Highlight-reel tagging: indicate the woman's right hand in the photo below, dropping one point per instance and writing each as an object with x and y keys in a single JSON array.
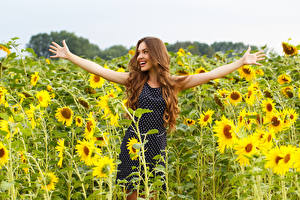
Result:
[{"x": 60, "y": 52}]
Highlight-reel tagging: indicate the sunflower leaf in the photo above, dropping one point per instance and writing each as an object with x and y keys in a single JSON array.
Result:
[
  {"x": 152, "y": 131},
  {"x": 140, "y": 111}
]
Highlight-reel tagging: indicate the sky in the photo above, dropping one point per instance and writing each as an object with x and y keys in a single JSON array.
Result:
[{"x": 114, "y": 22}]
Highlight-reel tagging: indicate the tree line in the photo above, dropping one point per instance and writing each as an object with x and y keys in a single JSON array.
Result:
[{"x": 82, "y": 47}]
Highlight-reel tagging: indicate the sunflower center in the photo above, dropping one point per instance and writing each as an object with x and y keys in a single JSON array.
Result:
[
  {"x": 79, "y": 120},
  {"x": 261, "y": 136},
  {"x": 287, "y": 158},
  {"x": 96, "y": 78},
  {"x": 134, "y": 150},
  {"x": 201, "y": 71},
  {"x": 246, "y": 71},
  {"x": 2, "y": 152},
  {"x": 40, "y": 98},
  {"x": 234, "y": 95},
  {"x": 269, "y": 107},
  {"x": 206, "y": 118},
  {"x": 259, "y": 119},
  {"x": 100, "y": 138},
  {"x": 284, "y": 79},
  {"x": 249, "y": 93},
  {"x": 66, "y": 113},
  {"x": 277, "y": 159},
  {"x": 226, "y": 131},
  {"x": 105, "y": 169},
  {"x": 89, "y": 126},
  {"x": 86, "y": 150},
  {"x": 34, "y": 79},
  {"x": 248, "y": 148},
  {"x": 292, "y": 116},
  {"x": 241, "y": 118},
  {"x": 275, "y": 121},
  {"x": 48, "y": 180},
  {"x": 269, "y": 138}
]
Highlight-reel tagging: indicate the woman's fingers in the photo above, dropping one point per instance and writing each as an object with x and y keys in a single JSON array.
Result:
[
  {"x": 260, "y": 59},
  {"x": 64, "y": 43},
  {"x": 52, "y": 51},
  {"x": 53, "y": 47},
  {"x": 55, "y": 44}
]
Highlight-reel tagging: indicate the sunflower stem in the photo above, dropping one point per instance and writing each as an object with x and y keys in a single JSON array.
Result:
[{"x": 283, "y": 191}]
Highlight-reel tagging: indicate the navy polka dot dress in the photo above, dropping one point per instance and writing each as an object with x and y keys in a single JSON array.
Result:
[{"x": 150, "y": 98}]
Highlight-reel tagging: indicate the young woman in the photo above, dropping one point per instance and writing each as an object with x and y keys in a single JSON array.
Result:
[{"x": 150, "y": 85}]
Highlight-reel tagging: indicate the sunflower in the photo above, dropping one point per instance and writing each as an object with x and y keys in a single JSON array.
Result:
[
  {"x": 24, "y": 161},
  {"x": 131, "y": 52},
  {"x": 3, "y": 154},
  {"x": 284, "y": 78},
  {"x": 245, "y": 148},
  {"x": 250, "y": 97},
  {"x": 182, "y": 72},
  {"x": 275, "y": 121},
  {"x": 247, "y": 72},
  {"x": 200, "y": 70},
  {"x": 84, "y": 103},
  {"x": 280, "y": 159},
  {"x": 189, "y": 122},
  {"x": 31, "y": 113},
  {"x": 50, "y": 180},
  {"x": 96, "y": 81},
  {"x": 180, "y": 63},
  {"x": 43, "y": 98},
  {"x": 49, "y": 88},
  {"x": 132, "y": 150},
  {"x": 235, "y": 97},
  {"x": 102, "y": 140},
  {"x": 180, "y": 52},
  {"x": 60, "y": 148},
  {"x": 264, "y": 139},
  {"x": 64, "y": 115},
  {"x": 4, "y": 48},
  {"x": 104, "y": 167},
  {"x": 3, "y": 92},
  {"x": 34, "y": 78},
  {"x": 259, "y": 72},
  {"x": 78, "y": 121},
  {"x": 297, "y": 160},
  {"x": 226, "y": 133},
  {"x": 289, "y": 49},
  {"x": 291, "y": 115},
  {"x": 114, "y": 120},
  {"x": 268, "y": 106},
  {"x": 288, "y": 91},
  {"x": 85, "y": 150},
  {"x": 206, "y": 118},
  {"x": 90, "y": 126}
]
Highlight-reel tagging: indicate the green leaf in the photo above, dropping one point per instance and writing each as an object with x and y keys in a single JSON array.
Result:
[
  {"x": 152, "y": 131},
  {"x": 140, "y": 111},
  {"x": 137, "y": 145}
]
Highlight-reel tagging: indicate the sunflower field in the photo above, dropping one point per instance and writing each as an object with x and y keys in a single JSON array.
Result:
[{"x": 61, "y": 129}]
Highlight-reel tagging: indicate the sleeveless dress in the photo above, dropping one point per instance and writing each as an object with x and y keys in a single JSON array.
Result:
[{"x": 150, "y": 98}]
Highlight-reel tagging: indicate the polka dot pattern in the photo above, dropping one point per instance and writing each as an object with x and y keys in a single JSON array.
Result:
[{"x": 150, "y": 98}]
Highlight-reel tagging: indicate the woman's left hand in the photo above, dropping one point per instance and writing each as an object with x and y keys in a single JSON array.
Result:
[{"x": 251, "y": 59}]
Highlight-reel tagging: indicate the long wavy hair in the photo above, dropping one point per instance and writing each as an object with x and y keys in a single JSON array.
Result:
[{"x": 170, "y": 85}]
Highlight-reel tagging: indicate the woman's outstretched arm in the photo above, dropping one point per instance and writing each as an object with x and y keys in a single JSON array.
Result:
[
  {"x": 92, "y": 67},
  {"x": 219, "y": 72}
]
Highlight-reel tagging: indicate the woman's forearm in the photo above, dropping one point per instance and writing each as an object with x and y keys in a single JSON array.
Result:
[
  {"x": 92, "y": 67},
  {"x": 85, "y": 64},
  {"x": 222, "y": 71}
]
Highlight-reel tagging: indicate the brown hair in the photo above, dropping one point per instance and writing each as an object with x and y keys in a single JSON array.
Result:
[{"x": 170, "y": 86}]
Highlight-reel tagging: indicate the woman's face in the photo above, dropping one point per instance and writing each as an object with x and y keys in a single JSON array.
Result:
[{"x": 143, "y": 57}]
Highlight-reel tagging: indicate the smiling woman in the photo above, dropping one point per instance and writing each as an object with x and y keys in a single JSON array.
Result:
[{"x": 149, "y": 85}]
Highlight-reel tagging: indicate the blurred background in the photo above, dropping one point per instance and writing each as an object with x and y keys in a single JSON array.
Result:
[{"x": 110, "y": 28}]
